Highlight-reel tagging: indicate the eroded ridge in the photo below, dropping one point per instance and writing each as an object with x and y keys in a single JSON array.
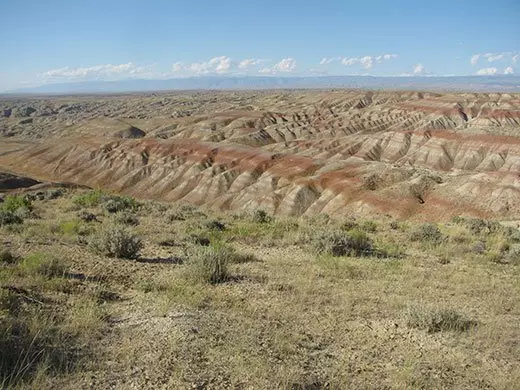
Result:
[{"x": 408, "y": 154}]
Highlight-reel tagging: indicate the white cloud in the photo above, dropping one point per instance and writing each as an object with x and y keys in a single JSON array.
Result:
[
  {"x": 419, "y": 69},
  {"x": 223, "y": 64},
  {"x": 389, "y": 56},
  {"x": 248, "y": 62},
  {"x": 326, "y": 61},
  {"x": 495, "y": 57},
  {"x": 474, "y": 59},
  {"x": 349, "y": 61},
  {"x": 509, "y": 70},
  {"x": 177, "y": 67},
  {"x": 286, "y": 65},
  {"x": 487, "y": 71},
  {"x": 367, "y": 62},
  {"x": 107, "y": 71}
]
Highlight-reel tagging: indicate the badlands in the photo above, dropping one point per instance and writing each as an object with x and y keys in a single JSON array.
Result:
[
  {"x": 419, "y": 155},
  {"x": 296, "y": 240}
]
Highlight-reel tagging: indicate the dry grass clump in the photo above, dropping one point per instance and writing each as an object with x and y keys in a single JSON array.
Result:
[
  {"x": 340, "y": 243},
  {"x": 111, "y": 203},
  {"x": 437, "y": 320},
  {"x": 427, "y": 232},
  {"x": 116, "y": 241},
  {"x": 6, "y": 256},
  {"x": 261, "y": 216},
  {"x": 44, "y": 264},
  {"x": 209, "y": 264},
  {"x": 40, "y": 334},
  {"x": 126, "y": 218}
]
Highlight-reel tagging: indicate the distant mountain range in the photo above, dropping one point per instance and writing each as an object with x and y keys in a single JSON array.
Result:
[{"x": 502, "y": 83}]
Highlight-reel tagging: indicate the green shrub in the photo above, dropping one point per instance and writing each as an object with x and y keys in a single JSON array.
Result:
[
  {"x": 86, "y": 216},
  {"x": 340, "y": 243},
  {"x": 89, "y": 199},
  {"x": 368, "y": 226},
  {"x": 111, "y": 203},
  {"x": 6, "y": 256},
  {"x": 126, "y": 218},
  {"x": 43, "y": 264},
  {"x": 261, "y": 216},
  {"x": 349, "y": 225},
  {"x": 116, "y": 241},
  {"x": 9, "y": 218},
  {"x": 114, "y": 204},
  {"x": 210, "y": 264},
  {"x": 427, "y": 232},
  {"x": 73, "y": 228},
  {"x": 437, "y": 320},
  {"x": 215, "y": 225},
  {"x": 14, "y": 202}
]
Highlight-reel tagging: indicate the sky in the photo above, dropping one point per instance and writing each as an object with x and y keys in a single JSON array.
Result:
[{"x": 49, "y": 41}]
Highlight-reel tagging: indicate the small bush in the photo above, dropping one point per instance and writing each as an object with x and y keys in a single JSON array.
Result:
[
  {"x": 394, "y": 225},
  {"x": 6, "y": 256},
  {"x": 116, "y": 241},
  {"x": 111, "y": 203},
  {"x": 339, "y": 243},
  {"x": 9, "y": 218},
  {"x": 126, "y": 218},
  {"x": 53, "y": 194},
  {"x": 14, "y": 202},
  {"x": 513, "y": 255},
  {"x": 215, "y": 225},
  {"x": 349, "y": 225},
  {"x": 437, "y": 320},
  {"x": 261, "y": 216},
  {"x": 479, "y": 247},
  {"x": 89, "y": 199},
  {"x": 368, "y": 226},
  {"x": 210, "y": 264},
  {"x": 73, "y": 228},
  {"x": 43, "y": 264},
  {"x": 86, "y": 216},
  {"x": 200, "y": 239},
  {"x": 116, "y": 204},
  {"x": 427, "y": 232}
]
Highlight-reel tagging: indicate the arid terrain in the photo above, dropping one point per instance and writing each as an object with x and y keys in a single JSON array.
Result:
[
  {"x": 340, "y": 239},
  {"x": 406, "y": 154}
]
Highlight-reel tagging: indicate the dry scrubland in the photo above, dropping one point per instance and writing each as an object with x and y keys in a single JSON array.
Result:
[
  {"x": 103, "y": 291},
  {"x": 256, "y": 287}
]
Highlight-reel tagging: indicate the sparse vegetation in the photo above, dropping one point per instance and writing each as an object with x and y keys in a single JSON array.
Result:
[
  {"x": 13, "y": 203},
  {"x": 261, "y": 216},
  {"x": 111, "y": 203},
  {"x": 253, "y": 300},
  {"x": 43, "y": 264},
  {"x": 210, "y": 264},
  {"x": 126, "y": 218},
  {"x": 116, "y": 241},
  {"x": 437, "y": 320},
  {"x": 339, "y": 243},
  {"x": 427, "y": 232},
  {"x": 9, "y": 218}
]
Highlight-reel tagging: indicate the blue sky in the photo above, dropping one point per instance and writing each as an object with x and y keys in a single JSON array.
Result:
[{"x": 50, "y": 41}]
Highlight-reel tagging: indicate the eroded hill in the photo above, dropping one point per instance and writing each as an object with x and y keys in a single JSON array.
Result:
[{"x": 407, "y": 154}]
